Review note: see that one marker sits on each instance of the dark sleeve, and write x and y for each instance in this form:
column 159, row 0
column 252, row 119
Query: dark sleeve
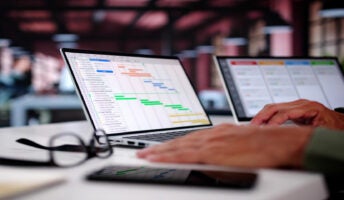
column 325, row 152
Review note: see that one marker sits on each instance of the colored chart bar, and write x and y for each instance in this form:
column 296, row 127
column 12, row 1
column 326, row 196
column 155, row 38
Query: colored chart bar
column 133, row 74
column 271, row 62
column 195, row 121
column 127, row 171
column 159, row 85
column 147, row 102
column 99, row 60
column 186, row 115
column 104, row 71
column 176, row 106
column 163, row 174
column 323, row 62
column 297, row 62
column 121, row 97
column 126, row 98
column 135, row 70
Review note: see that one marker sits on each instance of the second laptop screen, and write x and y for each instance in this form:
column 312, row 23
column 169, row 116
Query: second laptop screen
column 253, row 83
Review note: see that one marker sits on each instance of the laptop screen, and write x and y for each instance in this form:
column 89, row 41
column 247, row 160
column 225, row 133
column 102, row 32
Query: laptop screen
column 251, row 83
column 131, row 93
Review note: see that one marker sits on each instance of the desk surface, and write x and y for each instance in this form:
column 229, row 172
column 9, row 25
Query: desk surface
column 272, row 184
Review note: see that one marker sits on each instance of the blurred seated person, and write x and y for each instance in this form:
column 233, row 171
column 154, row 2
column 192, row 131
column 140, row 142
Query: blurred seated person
column 46, row 74
column 317, row 144
column 17, row 81
column 66, row 84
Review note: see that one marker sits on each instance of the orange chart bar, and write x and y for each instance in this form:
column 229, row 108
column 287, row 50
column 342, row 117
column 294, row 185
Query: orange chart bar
column 133, row 74
column 272, row 62
column 187, row 114
column 135, row 70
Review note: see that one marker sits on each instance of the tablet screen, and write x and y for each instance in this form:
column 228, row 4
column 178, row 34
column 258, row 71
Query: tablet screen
column 143, row 174
column 252, row 83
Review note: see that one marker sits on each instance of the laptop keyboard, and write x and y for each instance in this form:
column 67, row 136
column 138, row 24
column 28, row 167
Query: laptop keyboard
column 159, row 137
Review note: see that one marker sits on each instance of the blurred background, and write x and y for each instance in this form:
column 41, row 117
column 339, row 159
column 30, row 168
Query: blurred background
column 35, row 87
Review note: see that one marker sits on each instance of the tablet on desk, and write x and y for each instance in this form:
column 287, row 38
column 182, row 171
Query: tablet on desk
column 170, row 176
column 251, row 83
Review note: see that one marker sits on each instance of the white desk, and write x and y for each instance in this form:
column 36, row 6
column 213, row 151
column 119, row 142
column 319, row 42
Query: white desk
column 272, row 184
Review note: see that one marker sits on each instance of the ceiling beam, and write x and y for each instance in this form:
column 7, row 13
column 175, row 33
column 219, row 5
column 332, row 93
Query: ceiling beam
column 58, row 8
column 56, row 16
column 240, row 9
column 10, row 28
column 150, row 5
column 95, row 23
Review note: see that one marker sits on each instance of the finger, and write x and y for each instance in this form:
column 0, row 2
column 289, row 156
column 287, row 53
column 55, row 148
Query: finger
column 183, row 142
column 292, row 114
column 265, row 114
column 192, row 140
column 268, row 112
column 179, row 156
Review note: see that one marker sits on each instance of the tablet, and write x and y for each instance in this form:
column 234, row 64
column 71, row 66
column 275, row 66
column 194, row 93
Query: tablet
column 170, row 176
column 251, row 83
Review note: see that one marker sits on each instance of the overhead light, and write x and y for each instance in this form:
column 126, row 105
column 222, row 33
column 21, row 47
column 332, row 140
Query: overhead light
column 21, row 53
column 144, row 51
column 16, row 48
column 67, row 45
column 274, row 23
column 99, row 16
column 332, row 9
column 236, row 37
column 206, row 47
column 65, row 37
column 236, row 41
column 4, row 42
column 189, row 53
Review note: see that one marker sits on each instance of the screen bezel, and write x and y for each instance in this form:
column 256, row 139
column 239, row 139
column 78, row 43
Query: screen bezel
column 217, row 59
column 86, row 110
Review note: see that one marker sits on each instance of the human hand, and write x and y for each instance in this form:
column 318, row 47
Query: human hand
column 302, row 112
column 237, row 146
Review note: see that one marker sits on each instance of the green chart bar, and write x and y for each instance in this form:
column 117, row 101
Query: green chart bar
column 147, row 102
column 323, row 62
column 121, row 97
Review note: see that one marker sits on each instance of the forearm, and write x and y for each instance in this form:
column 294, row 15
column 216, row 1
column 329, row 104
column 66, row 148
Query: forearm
column 325, row 152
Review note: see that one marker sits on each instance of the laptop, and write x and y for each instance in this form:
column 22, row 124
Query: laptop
column 138, row 100
column 251, row 83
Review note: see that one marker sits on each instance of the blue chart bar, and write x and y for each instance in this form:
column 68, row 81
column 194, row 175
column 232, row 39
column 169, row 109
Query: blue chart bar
column 104, row 71
column 159, row 85
column 298, row 62
column 163, row 174
column 99, row 60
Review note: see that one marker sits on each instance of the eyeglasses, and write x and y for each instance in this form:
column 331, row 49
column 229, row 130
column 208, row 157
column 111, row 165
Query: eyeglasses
column 67, row 150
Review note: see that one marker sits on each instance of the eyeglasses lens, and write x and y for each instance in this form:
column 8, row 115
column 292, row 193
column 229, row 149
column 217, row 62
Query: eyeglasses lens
column 70, row 150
